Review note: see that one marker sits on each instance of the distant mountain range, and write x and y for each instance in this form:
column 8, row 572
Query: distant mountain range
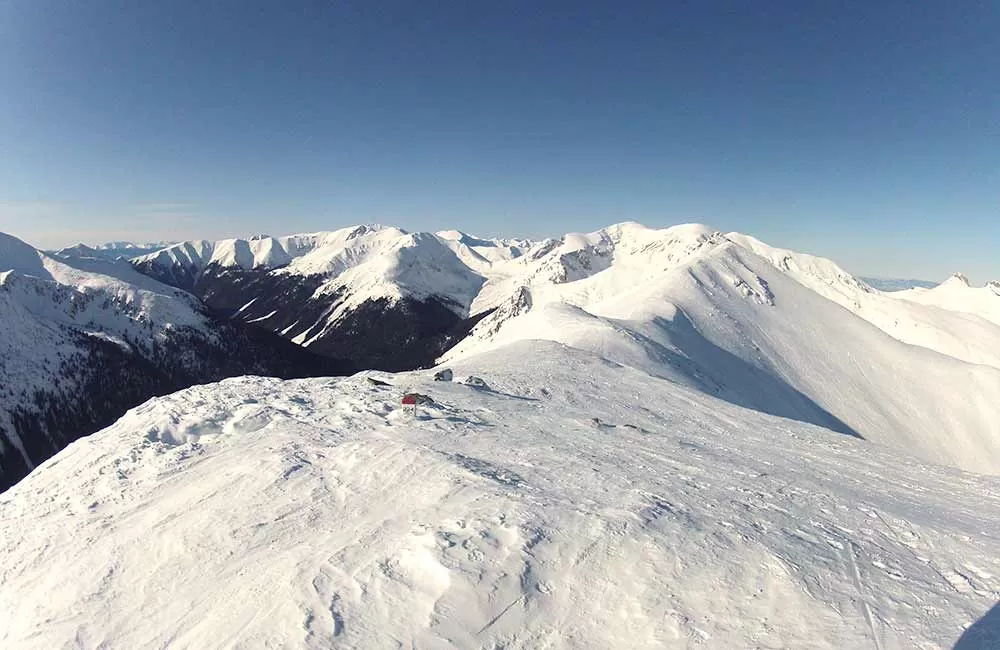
column 110, row 250
column 765, row 328
column 895, row 284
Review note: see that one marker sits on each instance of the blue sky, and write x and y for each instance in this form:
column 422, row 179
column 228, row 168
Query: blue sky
column 864, row 131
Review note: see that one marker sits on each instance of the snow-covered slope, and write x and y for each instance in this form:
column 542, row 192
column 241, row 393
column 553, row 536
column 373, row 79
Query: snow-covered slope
column 958, row 295
column 577, row 504
column 768, row 333
column 955, row 334
column 83, row 339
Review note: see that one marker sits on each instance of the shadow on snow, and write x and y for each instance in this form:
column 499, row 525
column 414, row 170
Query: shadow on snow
column 984, row 634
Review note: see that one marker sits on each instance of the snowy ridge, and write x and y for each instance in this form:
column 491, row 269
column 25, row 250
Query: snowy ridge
column 19, row 257
column 576, row 504
column 958, row 295
column 111, row 250
column 381, row 262
column 375, row 295
column 951, row 333
column 368, row 262
column 769, row 333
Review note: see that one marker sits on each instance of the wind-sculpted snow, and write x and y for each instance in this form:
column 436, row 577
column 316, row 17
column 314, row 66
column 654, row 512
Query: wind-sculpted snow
column 576, row 504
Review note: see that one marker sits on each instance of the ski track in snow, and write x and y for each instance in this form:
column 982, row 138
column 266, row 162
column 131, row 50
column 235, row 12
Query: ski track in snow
column 257, row 513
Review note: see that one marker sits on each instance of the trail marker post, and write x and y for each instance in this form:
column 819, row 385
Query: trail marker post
column 411, row 399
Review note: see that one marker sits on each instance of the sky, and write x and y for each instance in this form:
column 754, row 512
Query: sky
column 864, row 131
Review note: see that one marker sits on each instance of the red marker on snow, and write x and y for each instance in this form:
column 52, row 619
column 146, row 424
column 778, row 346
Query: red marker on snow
column 410, row 399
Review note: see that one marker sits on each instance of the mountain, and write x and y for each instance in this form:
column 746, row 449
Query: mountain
column 896, row 284
column 762, row 327
column 951, row 333
column 957, row 294
column 110, row 250
column 776, row 331
column 84, row 339
column 575, row 503
column 377, row 296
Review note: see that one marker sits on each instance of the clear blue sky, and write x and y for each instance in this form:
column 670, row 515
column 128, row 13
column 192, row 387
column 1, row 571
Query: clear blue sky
column 861, row 130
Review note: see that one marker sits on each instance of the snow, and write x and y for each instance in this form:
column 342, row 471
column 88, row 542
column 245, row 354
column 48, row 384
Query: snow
column 474, row 275
column 768, row 333
column 191, row 254
column 771, row 329
column 111, row 250
column 952, row 333
column 89, row 294
column 387, row 262
column 262, row 252
column 45, row 301
column 666, row 438
column 15, row 255
column 958, row 295
column 577, row 504
column 359, row 263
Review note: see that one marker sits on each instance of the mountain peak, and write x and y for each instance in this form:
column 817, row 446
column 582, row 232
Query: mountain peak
column 16, row 255
column 956, row 280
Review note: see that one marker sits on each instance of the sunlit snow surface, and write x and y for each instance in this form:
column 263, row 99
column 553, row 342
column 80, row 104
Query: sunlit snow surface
column 318, row 513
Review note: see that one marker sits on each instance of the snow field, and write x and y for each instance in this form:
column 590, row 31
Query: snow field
column 315, row 513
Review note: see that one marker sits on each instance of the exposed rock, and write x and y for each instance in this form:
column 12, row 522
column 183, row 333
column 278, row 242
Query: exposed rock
column 475, row 382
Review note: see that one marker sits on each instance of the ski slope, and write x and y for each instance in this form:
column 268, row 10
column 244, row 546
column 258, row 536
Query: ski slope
column 575, row 504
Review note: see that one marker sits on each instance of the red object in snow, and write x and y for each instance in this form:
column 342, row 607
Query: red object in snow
column 410, row 399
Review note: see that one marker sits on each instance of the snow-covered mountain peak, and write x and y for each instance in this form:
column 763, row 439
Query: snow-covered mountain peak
column 257, row 252
column 20, row 257
column 111, row 250
column 818, row 273
column 371, row 228
column 331, row 253
column 390, row 263
column 956, row 294
column 956, row 280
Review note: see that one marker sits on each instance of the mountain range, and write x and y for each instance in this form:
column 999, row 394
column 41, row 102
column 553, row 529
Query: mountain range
column 769, row 329
column 652, row 437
